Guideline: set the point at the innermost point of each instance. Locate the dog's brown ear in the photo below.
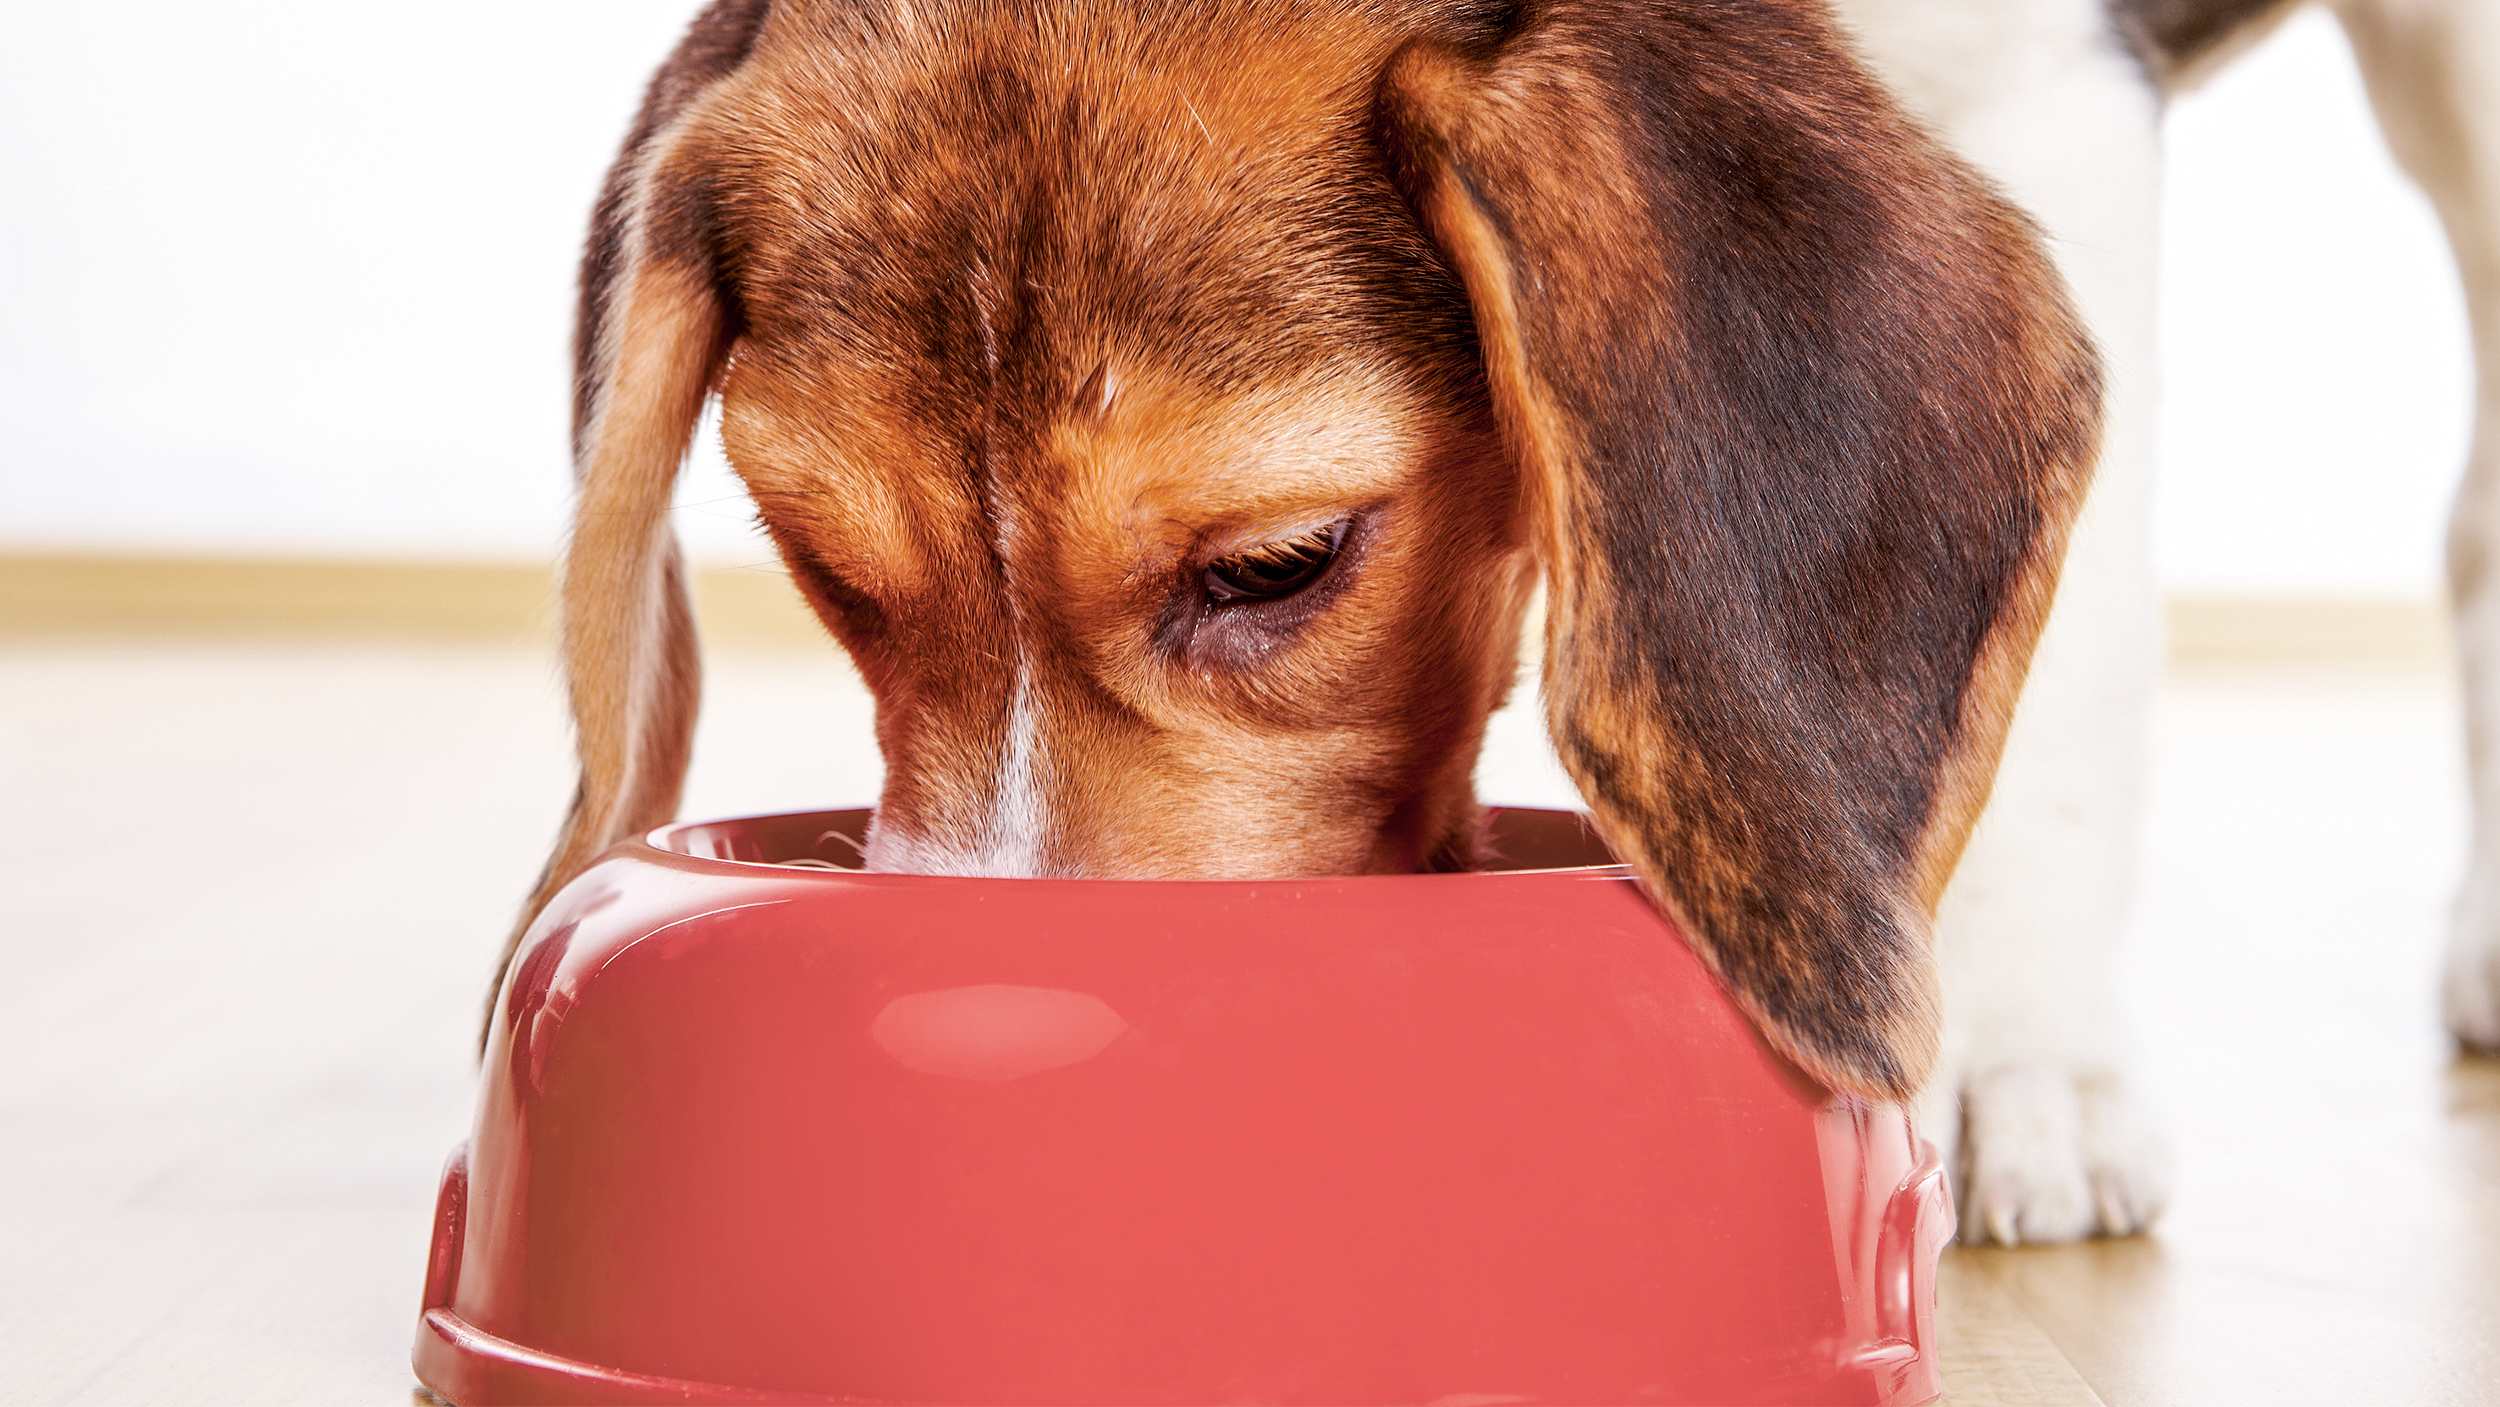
(1802, 418)
(653, 331)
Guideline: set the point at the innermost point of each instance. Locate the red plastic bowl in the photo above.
(761, 1134)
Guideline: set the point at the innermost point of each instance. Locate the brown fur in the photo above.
(2173, 36)
(1021, 315)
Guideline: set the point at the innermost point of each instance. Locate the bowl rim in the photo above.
(673, 844)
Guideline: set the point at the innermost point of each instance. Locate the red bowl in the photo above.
(754, 1134)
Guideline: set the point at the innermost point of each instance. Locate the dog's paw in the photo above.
(2047, 1157)
(2469, 988)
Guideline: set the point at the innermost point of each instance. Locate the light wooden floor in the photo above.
(248, 894)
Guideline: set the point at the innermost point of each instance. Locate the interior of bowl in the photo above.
(1522, 838)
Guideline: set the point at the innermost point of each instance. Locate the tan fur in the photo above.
(1032, 316)
(629, 646)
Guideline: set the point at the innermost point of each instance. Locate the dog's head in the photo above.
(1171, 408)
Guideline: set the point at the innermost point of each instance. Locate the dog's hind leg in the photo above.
(2433, 70)
(2039, 96)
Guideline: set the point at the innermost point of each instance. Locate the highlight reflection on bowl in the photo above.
(994, 1031)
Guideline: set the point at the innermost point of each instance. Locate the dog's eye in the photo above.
(1274, 569)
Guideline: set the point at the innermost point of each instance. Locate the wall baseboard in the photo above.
(65, 594)
(2348, 632)
(55, 595)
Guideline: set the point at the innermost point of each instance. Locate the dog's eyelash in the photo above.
(1318, 542)
(1273, 570)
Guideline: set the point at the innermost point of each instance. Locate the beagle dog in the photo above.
(1171, 405)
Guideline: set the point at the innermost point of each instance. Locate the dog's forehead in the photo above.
(975, 264)
(994, 208)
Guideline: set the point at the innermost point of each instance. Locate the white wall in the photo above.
(295, 276)
(2318, 393)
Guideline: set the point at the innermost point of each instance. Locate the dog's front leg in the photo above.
(2036, 1072)
(2433, 68)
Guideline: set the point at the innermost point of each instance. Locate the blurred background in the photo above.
(285, 293)
(287, 279)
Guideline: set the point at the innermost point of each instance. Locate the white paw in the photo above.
(2469, 988)
(2048, 1157)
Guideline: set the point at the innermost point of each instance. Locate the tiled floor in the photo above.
(248, 895)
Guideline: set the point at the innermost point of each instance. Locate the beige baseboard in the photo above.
(230, 598)
(2395, 632)
(756, 607)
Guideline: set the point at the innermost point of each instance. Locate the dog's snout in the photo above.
(989, 819)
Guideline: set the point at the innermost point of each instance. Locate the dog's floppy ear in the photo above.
(1802, 418)
(653, 330)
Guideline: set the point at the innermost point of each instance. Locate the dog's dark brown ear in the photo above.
(1802, 418)
(653, 331)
